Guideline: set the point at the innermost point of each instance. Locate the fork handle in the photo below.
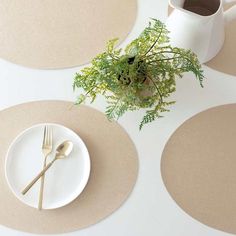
(41, 190)
(27, 188)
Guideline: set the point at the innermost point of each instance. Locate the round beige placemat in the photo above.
(113, 159)
(199, 167)
(57, 34)
(224, 61)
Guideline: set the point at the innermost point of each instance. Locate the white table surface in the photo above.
(149, 210)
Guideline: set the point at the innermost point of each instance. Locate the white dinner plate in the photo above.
(66, 178)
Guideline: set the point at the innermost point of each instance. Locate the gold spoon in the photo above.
(62, 151)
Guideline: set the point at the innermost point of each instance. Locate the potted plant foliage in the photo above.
(142, 76)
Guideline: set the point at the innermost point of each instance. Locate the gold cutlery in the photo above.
(62, 151)
(46, 149)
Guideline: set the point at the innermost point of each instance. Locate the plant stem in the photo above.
(155, 41)
(181, 56)
(161, 98)
(117, 59)
(165, 59)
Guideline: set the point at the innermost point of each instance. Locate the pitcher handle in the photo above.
(230, 14)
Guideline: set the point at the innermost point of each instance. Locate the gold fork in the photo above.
(46, 149)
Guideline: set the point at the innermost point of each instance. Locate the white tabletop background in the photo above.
(150, 209)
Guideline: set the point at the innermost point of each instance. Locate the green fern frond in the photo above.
(148, 118)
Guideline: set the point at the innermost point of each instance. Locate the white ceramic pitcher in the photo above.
(203, 34)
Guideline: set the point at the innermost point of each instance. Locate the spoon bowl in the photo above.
(64, 149)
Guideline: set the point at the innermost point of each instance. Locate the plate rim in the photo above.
(88, 163)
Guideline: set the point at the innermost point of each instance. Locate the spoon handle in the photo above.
(27, 188)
